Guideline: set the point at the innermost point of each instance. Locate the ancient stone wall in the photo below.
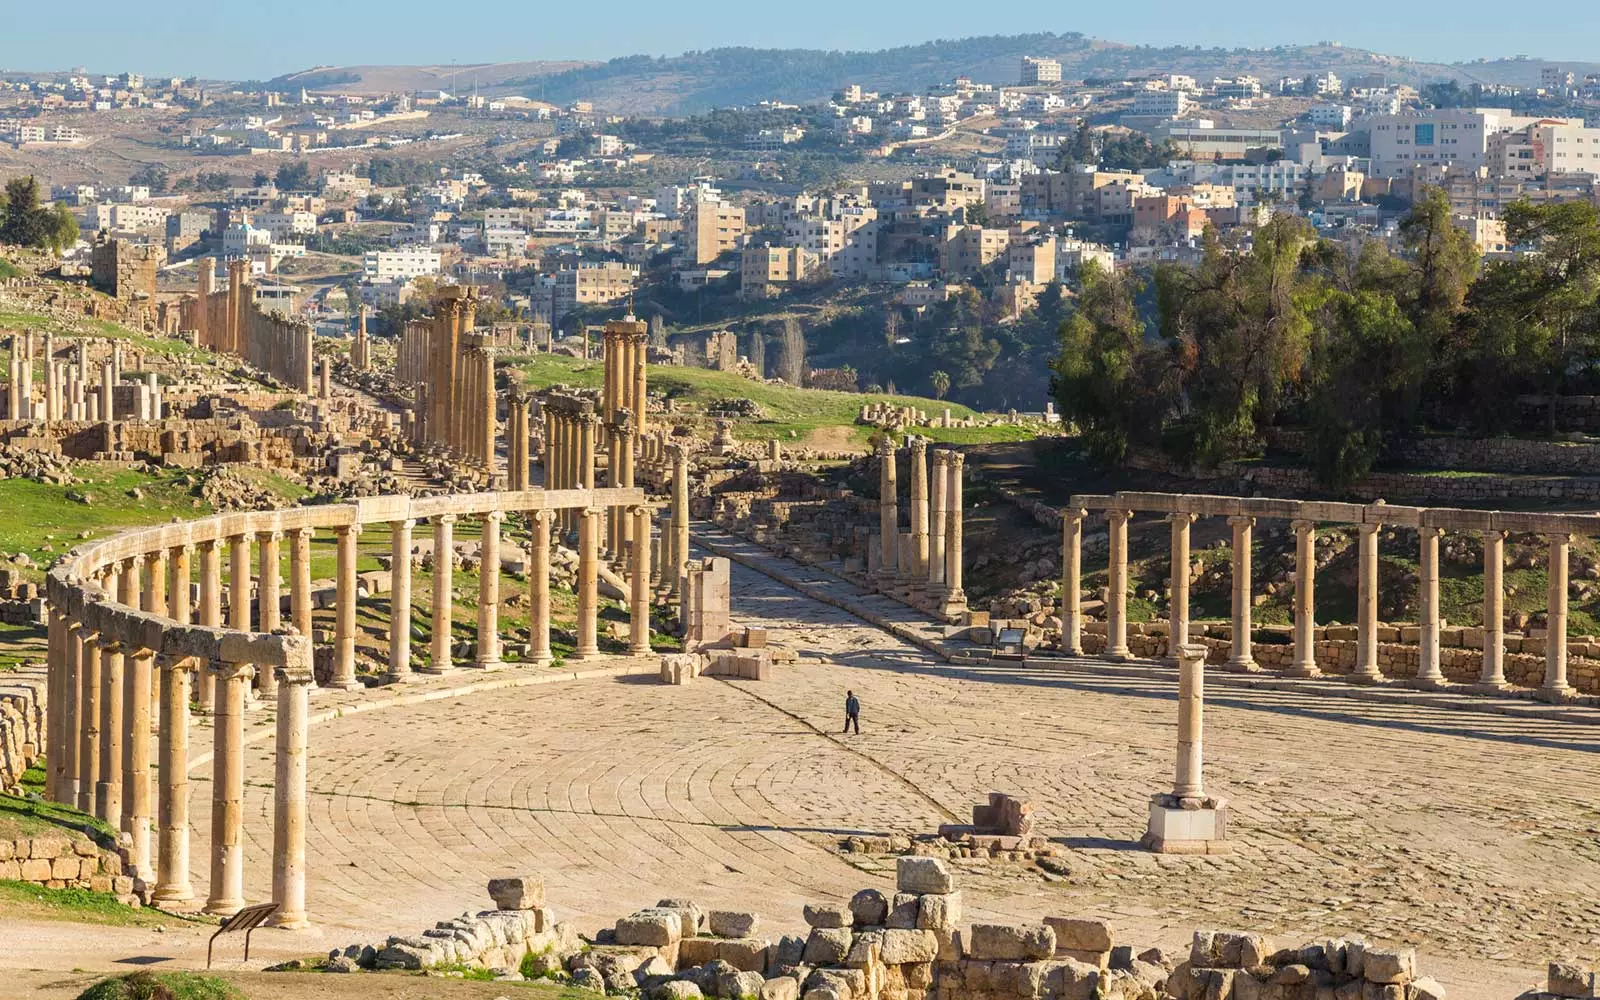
(125, 270)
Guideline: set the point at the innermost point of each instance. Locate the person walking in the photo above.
(852, 712)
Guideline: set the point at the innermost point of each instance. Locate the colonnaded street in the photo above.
(1470, 834)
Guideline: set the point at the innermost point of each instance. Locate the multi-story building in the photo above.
(592, 283)
(1040, 70)
(1203, 141)
(1331, 116)
(845, 241)
(241, 238)
(965, 250)
(1033, 261)
(400, 264)
(764, 271)
(1456, 138)
(946, 191)
(285, 225)
(1162, 103)
(711, 228)
(131, 218)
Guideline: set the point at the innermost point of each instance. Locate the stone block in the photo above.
(66, 868)
(939, 911)
(786, 952)
(869, 908)
(35, 870)
(48, 848)
(827, 946)
(1227, 950)
(1428, 988)
(1389, 967)
(654, 927)
(1569, 979)
(1011, 942)
(827, 915)
(521, 892)
(732, 923)
(1074, 934)
(694, 951)
(690, 916)
(781, 988)
(906, 947)
(744, 954)
(903, 911)
(864, 950)
(920, 875)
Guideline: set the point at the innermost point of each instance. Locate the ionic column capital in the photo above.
(1558, 538)
(347, 529)
(540, 515)
(444, 519)
(494, 516)
(1241, 521)
(1428, 529)
(1067, 513)
(226, 670)
(303, 532)
(1302, 525)
(208, 544)
(1182, 517)
(404, 523)
(1369, 529)
(269, 535)
(293, 675)
(1119, 516)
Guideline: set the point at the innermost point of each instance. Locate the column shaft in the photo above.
(344, 653)
(539, 588)
(400, 599)
(1428, 672)
(588, 647)
(227, 791)
(1555, 687)
(172, 867)
(90, 687)
(1305, 600)
(444, 527)
(289, 801)
(269, 597)
(888, 510)
(1071, 573)
(1367, 606)
(136, 805)
(1493, 676)
(1242, 658)
(489, 594)
(1117, 584)
(300, 580)
(640, 617)
(1178, 604)
(210, 615)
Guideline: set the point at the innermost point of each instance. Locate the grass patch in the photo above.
(27, 901)
(22, 817)
(162, 986)
(79, 326)
(790, 412)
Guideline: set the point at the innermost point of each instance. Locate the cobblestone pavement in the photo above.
(1470, 834)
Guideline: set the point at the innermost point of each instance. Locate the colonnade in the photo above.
(571, 432)
(132, 641)
(927, 557)
(1304, 517)
(67, 390)
(228, 322)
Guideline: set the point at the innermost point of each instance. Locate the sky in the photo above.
(217, 39)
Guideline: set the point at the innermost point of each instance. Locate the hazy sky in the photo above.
(227, 40)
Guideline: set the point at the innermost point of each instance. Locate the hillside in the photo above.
(697, 81)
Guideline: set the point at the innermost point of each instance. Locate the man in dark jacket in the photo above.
(852, 712)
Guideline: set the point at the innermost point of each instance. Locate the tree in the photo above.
(792, 353)
(261, 179)
(1098, 369)
(1361, 365)
(1434, 293)
(294, 176)
(25, 223)
(758, 352)
(941, 383)
(64, 230)
(154, 176)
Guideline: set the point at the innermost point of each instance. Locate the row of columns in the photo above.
(1492, 677)
(68, 394)
(928, 556)
(571, 429)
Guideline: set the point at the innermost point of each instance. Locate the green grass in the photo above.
(162, 986)
(27, 901)
(8, 270)
(80, 326)
(21, 817)
(790, 412)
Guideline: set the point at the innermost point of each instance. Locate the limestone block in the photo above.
(65, 868)
(744, 954)
(1227, 950)
(740, 984)
(1389, 967)
(920, 875)
(843, 983)
(1428, 988)
(869, 908)
(654, 927)
(864, 949)
(732, 923)
(690, 916)
(939, 911)
(904, 947)
(35, 870)
(48, 848)
(522, 892)
(827, 915)
(1073, 934)
(1009, 942)
(694, 951)
(827, 946)
(781, 988)
(1569, 979)
(786, 952)
(903, 911)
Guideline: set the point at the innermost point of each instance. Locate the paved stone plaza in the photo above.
(1469, 834)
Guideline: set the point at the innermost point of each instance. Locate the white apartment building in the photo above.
(1160, 103)
(131, 218)
(241, 238)
(1566, 146)
(847, 245)
(402, 263)
(284, 225)
(1331, 116)
(1451, 137)
(1037, 70)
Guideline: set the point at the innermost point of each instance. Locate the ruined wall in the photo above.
(125, 270)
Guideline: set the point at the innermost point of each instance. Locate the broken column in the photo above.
(1186, 820)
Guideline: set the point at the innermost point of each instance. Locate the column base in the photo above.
(495, 664)
(433, 671)
(391, 677)
(178, 899)
(541, 660)
(345, 685)
(1187, 827)
(584, 655)
(1365, 677)
(288, 922)
(1557, 695)
(1118, 655)
(222, 907)
(1303, 670)
(1490, 687)
(638, 651)
(1431, 683)
(1243, 665)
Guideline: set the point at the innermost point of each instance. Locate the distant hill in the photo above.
(698, 81)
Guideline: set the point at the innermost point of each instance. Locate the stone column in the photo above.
(289, 801)
(489, 593)
(227, 790)
(155, 583)
(1178, 604)
(108, 786)
(269, 597)
(172, 867)
(1556, 688)
(919, 509)
(210, 615)
(239, 583)
(888, 510)
(1428, 673)
(1367, 671)
(444, 531)
(400, 599)
(1242, 659)
(588, 585)
(178, 583)
(1493, 677)
(640, 611)
(89, 713)
(136, 804)
(1188, 784)
(955, 602)
(539, 587)
(108, 399)
(680, 517)
(300, 580)
(586, 446)
(1117, 584)
(344, 649)
(1071, 568)
(938, 487)
(1305, 600)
